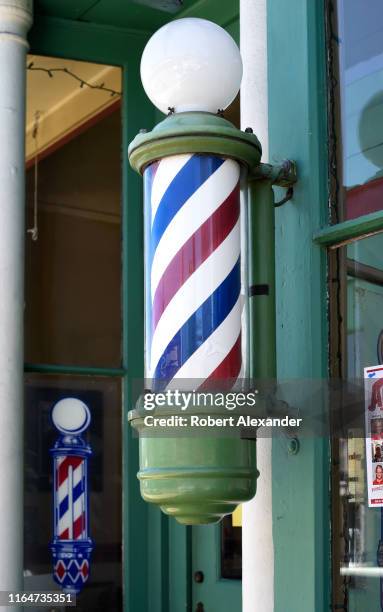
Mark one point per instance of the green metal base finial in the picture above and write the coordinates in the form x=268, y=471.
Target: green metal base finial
x=194, y=133
x=197, y=478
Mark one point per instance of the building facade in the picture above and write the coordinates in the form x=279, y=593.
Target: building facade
x=71, y=268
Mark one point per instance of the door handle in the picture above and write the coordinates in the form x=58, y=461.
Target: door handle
x=200, y=607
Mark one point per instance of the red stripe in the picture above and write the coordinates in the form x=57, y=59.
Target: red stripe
x=64, y=535
x=227, y=370
x=62, y=472
x=195, y=251
x=78, y=526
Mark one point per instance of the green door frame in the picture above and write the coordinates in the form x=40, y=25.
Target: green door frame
x=120, y=47
x=298, y=130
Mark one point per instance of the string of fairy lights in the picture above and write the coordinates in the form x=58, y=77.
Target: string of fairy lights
x=51, y=72
x=82, y=82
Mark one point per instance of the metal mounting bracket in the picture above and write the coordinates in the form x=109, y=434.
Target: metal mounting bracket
x=283, y=175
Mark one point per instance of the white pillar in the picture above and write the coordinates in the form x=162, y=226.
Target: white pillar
x=257, y=534
x=15, y=20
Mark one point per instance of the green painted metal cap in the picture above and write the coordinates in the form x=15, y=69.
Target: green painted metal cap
x=194, y=132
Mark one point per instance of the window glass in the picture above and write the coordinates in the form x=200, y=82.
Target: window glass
x=73, y=245
x=358, y=528
x=103, y=590
x=231, y=547
x=357, y=38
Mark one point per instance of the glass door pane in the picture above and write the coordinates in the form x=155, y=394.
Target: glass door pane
x=103, y=590
x=357, y=528
x=73, y=246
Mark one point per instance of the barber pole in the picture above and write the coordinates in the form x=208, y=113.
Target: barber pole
x=193, y=275
x=71, y=546
x=196, y=287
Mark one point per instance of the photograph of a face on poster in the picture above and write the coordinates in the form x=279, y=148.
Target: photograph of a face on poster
x=378, y=475
x=377, y=428
x=376, y=451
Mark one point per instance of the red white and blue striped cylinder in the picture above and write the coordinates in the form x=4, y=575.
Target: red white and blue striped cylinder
x=71, y=502
x=193, y=270
x=71, y=545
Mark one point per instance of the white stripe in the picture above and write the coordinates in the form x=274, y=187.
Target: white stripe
x=167, y=170
x=199, y=207
x=62, y=490
x=77, y=474
x=63, y=523
x=78, y=507
x=198, y=287
x=211, y=353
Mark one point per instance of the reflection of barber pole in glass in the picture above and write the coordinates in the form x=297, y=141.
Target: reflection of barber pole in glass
x=193, y=276
x=71, y=546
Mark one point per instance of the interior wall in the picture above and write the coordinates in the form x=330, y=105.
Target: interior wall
x=73, y=270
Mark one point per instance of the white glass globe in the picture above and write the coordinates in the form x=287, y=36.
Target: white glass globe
x=191, y=65
x=71, y=415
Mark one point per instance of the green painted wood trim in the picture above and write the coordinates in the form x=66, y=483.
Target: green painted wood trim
x=158, y=560
x=180, y=567
x=222, y=12
x=51, y=368
x=297, y=130
x=137, y=112
x=85, y=41
x=335, y=235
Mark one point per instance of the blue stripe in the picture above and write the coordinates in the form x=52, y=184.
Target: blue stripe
x=78, y=490
x=63, y=506
x=191, y=176
x=198, y=327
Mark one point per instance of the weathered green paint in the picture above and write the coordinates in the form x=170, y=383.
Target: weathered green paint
x=297, y=129
x=336, y=235
x=282, y=175
x=50, y=368
x=194, y=133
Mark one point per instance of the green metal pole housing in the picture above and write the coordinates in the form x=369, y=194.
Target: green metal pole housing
x=195, y=479
x=194, y=132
